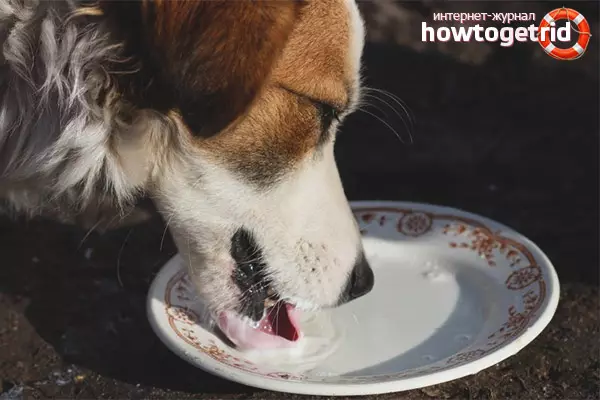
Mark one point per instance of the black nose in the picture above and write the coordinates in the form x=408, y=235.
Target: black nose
x=361, y=280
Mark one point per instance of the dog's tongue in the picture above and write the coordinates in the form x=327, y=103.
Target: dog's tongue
x=277, y=329
x=278, y=322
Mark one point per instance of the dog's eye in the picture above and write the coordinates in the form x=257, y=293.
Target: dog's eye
x=328, y=114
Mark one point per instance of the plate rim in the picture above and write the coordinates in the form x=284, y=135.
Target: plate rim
x=392, y=385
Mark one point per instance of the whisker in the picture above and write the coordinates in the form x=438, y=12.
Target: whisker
x=253, y=286
x=252, y=260
x=162, y=239
x=256, y=250
x=384, y=102
x=119, y=257
x=191, y=271
x=89, y=232
x=397, y=100
x=277, y=307
x=407, y=126
x=365, y=104
x=189, y=252
x=383, y=122
x=371, y=92
x=98, y=223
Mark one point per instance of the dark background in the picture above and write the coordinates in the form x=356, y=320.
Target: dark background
x=509, y=133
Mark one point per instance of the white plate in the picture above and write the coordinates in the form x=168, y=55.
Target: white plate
x=454, y=293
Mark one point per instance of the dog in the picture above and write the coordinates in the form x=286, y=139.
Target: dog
x=223, y=112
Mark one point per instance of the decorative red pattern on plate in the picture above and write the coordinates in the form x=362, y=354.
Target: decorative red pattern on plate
x=414, y=224
x=183, y=315
x=483, y=242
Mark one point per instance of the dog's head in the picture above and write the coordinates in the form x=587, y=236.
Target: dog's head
x=249, y=185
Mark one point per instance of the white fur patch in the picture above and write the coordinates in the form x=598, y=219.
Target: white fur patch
x=357, y=37
x=304, y=226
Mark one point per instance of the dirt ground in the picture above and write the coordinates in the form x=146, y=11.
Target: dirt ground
x=507, y=133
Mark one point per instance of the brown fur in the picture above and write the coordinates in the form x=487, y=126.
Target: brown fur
x=315, y=59
x=283, y=124
x=279, y=130
x=206, y=59
x=246, y=78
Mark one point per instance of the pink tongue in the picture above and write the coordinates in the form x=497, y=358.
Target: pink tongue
x=277, y=329
x=278, y=322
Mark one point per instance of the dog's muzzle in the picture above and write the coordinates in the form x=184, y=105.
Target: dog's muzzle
x=263, y=319
x=249, y=276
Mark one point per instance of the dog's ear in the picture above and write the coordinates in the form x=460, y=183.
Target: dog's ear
x=207, y=59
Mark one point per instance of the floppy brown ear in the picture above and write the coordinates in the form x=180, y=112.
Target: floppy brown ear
x=206, y=58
